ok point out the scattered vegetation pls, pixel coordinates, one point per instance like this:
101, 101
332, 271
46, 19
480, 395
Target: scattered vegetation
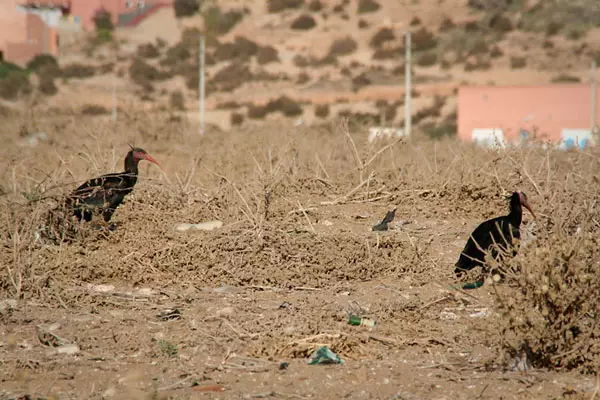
237, 118
14, 81
275, 6
342, 47
266, 55
78, 71
367, 6
322, 110
283, 104
240, 50
565, 78
46, 80
42, 60
447, 24
104, 25
518, 62
148, 50
93, 109
427, 59
304, 22
315, 6
219, 23
144, 74
382, 36
185, 8
432, 111
177, 100
423, 39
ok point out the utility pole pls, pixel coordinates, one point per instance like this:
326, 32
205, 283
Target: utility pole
407, 95
593, 87
201, 84
114, 91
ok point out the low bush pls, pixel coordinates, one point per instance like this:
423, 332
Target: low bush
367, 6
518, 62
219, 23
383, 35
266, 55
275, 6
185, 8
147, 50
322, 110
342, 47
78, 71
304, 22
15, 82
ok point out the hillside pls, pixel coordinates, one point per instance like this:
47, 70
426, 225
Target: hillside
332, 58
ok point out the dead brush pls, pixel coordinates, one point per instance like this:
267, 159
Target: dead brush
549, 310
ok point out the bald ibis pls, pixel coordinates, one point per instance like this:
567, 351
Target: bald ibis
105, 193
497, 231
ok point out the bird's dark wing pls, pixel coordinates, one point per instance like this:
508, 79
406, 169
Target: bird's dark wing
479, 241
98, 192
389, 217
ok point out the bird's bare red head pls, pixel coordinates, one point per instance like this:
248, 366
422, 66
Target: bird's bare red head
525, 202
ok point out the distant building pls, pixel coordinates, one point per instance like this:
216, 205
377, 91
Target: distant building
32, 27
561, 113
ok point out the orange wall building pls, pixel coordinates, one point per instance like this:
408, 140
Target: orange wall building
560, 112
23, 33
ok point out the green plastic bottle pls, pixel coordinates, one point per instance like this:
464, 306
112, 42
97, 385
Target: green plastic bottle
359, 321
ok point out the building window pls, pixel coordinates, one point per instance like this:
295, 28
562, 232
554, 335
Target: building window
141, 3
128, 3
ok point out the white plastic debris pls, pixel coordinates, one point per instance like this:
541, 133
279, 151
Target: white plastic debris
182, 227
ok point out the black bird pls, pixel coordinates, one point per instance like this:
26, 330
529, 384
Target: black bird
105, 193
383, 225
497, 231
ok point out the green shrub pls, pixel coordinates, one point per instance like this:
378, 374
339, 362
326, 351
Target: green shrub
367, 6
564, 78
382, 36
46, 80
304, 22
237, 118
315, 6
423, 40
266, 55
185, 8
147, 50
78, 71
218, 23
41, 60
275, 6
15, 83
342, 47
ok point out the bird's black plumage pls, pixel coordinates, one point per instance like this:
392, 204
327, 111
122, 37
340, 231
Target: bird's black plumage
383, 225
105, 193
494, 234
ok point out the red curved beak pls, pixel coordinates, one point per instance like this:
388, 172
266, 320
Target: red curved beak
147, 157
525, 203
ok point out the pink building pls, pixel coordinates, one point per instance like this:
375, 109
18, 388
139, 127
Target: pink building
559, 112
32, 27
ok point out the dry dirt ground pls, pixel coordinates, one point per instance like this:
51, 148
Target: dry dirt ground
295, 254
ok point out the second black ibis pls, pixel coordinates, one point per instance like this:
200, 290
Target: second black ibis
493, 234
105, 193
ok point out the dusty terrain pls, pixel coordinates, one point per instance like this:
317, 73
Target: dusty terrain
295, 254
145, 312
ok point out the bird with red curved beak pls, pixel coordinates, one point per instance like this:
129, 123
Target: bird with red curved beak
105, 193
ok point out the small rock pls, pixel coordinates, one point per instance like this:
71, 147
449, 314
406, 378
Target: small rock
448, 315
225, 311
101, 288
35, 138
284, 365
327, 223
182, 227
227, 289
68, 349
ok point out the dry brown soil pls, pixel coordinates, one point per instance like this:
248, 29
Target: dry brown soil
294, 256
